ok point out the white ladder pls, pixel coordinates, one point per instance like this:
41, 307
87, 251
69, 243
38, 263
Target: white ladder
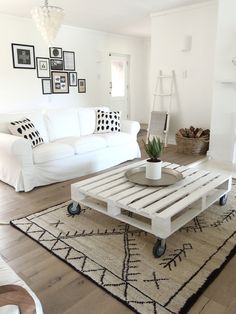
159, 120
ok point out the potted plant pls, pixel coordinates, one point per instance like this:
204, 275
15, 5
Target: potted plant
153, 148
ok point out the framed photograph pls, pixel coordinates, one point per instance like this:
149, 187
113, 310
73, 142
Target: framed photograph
81, 86
23, 56
46, 87
60, 82
69, 60
43, 70
73, 78
55, 52
56, 65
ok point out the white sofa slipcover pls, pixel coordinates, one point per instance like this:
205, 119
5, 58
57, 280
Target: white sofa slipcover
71, 148
9, 277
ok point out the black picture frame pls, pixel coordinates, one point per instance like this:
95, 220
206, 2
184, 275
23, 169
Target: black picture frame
81, 85
23, 56
43, 72
73, 78
46, 86
60, 82
69, 60
55, 52
56, 64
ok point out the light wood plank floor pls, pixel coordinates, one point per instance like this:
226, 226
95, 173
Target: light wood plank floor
61, 289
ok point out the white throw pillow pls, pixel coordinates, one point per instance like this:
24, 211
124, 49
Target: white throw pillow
62, 123
107, 121
25, 128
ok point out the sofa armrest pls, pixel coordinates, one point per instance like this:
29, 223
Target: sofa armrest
16, 149
16, 162
131, 127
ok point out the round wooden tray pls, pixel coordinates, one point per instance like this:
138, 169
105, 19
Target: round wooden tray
168, 177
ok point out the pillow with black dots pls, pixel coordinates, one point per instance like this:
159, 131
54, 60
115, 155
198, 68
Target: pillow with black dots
25, 128
107, 121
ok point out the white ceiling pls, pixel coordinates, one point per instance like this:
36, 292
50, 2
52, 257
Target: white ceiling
130, 17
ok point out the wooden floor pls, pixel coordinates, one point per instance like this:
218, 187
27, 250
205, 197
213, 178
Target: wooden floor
63, 290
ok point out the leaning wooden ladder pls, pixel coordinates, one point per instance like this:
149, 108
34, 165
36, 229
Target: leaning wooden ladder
159, 120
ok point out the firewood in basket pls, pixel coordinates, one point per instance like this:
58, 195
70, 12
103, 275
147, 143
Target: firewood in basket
187, 132
196, 131
191, 134
182, 132
179, 134
199, 133
206, 132
192, 129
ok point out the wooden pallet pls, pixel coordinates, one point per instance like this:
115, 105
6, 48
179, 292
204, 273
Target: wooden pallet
164, 208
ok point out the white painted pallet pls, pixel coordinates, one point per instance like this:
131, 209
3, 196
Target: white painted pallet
163, 207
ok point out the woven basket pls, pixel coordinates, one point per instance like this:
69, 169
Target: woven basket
192, 146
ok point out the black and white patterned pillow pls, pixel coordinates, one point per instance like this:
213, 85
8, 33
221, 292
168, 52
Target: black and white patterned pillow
107, 121
25, 128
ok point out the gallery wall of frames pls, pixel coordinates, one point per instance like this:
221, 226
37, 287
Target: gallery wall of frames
57, 72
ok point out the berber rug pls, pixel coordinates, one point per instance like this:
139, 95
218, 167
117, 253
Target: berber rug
118, 257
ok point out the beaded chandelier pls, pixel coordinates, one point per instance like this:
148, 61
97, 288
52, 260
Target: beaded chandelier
48, 20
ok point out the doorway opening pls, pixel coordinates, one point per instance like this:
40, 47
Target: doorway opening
119, 83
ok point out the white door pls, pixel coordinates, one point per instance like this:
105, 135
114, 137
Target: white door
118, 84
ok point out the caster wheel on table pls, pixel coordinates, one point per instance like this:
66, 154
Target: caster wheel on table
74, 209
159, 248
223, 200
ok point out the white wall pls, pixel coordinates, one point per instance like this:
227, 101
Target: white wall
193, 99
21, 89
223, 119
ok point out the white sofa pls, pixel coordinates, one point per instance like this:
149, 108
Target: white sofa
71, 148
9, 277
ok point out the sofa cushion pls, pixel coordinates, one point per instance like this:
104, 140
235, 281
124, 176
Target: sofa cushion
62, 123
84, 144
87, 119
25, 128
52, 151
107, 121
117, 138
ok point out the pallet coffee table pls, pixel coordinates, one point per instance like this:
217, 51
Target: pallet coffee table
165, 208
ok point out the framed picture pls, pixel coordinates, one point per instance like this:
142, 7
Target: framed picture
56, 65
23, 56
69, 60
73, 78
43, 70
55, 52
60, 82
46, 87
81, 86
